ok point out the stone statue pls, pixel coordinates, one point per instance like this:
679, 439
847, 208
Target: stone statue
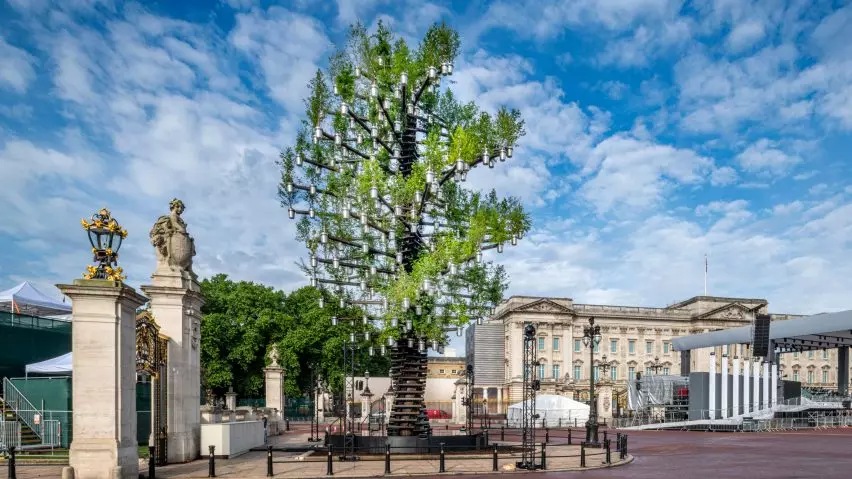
175, 247
273, 357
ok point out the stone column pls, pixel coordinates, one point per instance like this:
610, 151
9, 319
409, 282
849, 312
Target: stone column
176, 306
460, 415
736, 378
231, 399
724, 405
746, 387
274, 387
604, 398
712, 386
103, 340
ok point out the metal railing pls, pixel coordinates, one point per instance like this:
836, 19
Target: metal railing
10, 435
51, 433
23, 408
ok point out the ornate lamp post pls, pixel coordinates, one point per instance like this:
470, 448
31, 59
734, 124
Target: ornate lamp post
656, 365
604, 367
467, 401
105, 236
591, 338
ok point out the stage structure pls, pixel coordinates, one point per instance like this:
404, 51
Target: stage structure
390, 230
529, 416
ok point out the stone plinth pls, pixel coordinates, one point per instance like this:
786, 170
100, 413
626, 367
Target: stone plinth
231, 400
176, 306
274, 386
103, 340
604, 399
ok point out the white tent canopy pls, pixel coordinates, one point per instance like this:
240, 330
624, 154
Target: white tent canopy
57, 365
551, 408
26, 299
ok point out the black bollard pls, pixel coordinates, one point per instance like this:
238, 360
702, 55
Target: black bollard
151, 457
544, 455
286, 425
12, 473
582, 454
502, 433
575, 422
494, 459
547, 434
604, 435
212, 469
569, 436
329, 471
608, 457
625, 445
269, 461
441, 464
618, 442
387, 458
560, 423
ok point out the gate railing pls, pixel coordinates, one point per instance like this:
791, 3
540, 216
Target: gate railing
10, 435
23, 408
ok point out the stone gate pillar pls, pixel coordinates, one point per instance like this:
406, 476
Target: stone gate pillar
274, 383
103, 340
176, 303
604, 399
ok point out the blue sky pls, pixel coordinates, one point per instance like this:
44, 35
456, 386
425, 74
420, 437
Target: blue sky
658, 131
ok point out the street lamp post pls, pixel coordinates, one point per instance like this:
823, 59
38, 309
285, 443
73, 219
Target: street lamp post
656, 365
591, 338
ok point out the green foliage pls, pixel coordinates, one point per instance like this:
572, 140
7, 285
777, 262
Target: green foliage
242, 320
457, 132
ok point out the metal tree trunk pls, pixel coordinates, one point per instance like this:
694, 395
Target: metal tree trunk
408, 376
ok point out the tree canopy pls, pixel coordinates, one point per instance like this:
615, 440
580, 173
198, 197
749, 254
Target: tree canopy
241, 320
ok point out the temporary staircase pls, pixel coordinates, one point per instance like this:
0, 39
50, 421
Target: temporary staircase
29, 438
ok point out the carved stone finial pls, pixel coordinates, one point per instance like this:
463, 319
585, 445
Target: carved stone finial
175, 247
273, 357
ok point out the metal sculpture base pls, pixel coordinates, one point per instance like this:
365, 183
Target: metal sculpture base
411, 444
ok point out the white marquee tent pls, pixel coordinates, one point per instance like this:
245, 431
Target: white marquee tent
26, 299
551, 408
57, 365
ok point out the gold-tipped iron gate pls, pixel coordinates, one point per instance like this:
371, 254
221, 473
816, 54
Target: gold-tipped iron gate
152, 357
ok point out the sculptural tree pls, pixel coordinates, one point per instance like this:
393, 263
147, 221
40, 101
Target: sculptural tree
384, 154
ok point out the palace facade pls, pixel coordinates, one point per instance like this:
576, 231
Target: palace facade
633, 340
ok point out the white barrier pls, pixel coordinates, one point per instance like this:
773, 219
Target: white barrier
231, 438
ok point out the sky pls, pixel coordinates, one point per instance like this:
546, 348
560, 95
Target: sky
658, 132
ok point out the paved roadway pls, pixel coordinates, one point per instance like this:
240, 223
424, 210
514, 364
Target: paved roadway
694, 455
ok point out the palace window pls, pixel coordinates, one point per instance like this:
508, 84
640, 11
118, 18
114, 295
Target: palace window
613, 346
631, 373
541, 371
795, 354
647, 371
577, 344
440, 371
556, 344
796, 375
824, 354
666, 371
810, 377
541, 344
825, 376
454, 372
613, 373
649, 347
810, 354
597, 347
578, 371
555, 371
665, 348
595, 369
631, 346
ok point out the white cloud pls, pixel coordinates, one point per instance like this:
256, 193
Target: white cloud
639, 173
745, 35
765, 156
286, 46
788, 208
16, 69
723, 176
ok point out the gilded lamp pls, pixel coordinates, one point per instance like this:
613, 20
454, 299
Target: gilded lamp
105, 237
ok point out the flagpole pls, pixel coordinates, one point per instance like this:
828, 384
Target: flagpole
705, 274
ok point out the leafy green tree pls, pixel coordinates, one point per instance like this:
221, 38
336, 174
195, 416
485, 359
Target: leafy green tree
242, 320
384, 152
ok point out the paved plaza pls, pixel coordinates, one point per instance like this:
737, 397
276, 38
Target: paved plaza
801, 454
